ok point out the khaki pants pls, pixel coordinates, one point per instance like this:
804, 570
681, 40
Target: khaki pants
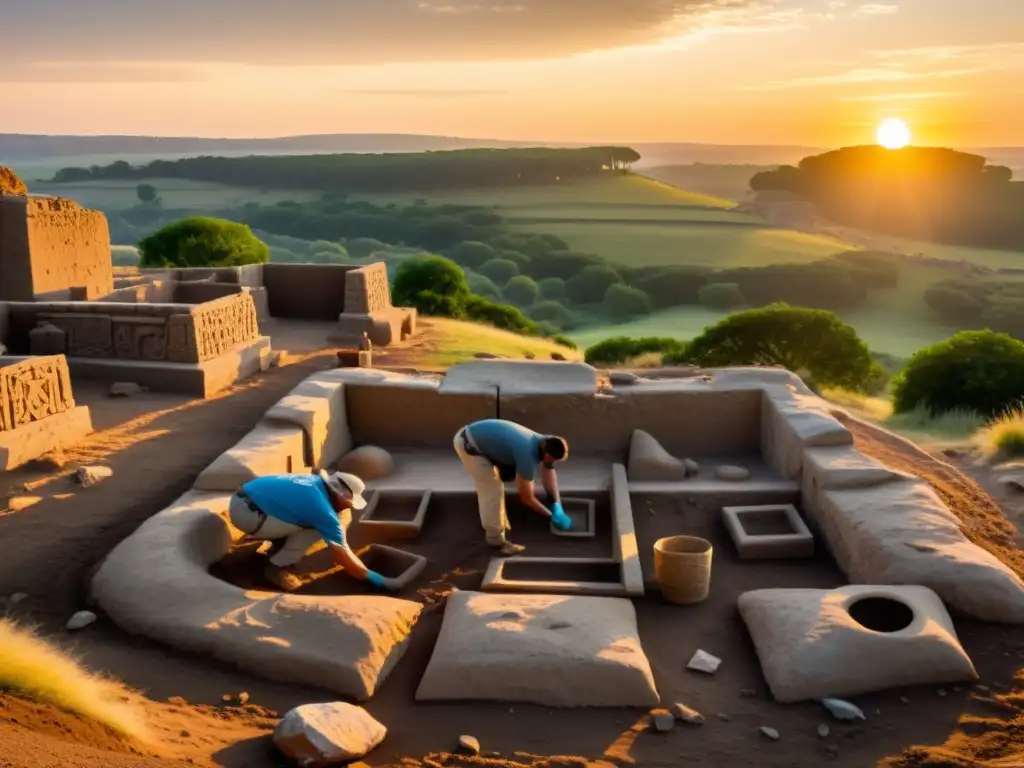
490, 493
295, 542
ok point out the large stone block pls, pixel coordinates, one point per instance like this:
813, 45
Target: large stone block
902, 533
317, 405
38, 438
793, 422
815, 644
269, 449
539, 649
520, 377
156, 584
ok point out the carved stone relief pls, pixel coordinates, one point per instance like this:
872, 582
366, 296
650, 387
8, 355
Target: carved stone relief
34, 389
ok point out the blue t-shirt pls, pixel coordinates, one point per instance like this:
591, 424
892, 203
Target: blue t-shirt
508, 443
300, 500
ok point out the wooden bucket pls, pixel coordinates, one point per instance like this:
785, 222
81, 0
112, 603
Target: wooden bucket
682, 566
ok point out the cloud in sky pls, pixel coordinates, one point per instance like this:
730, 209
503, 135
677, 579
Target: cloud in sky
338, 32
875, 9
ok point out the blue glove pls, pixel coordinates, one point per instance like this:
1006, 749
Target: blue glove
376, 579
559, 519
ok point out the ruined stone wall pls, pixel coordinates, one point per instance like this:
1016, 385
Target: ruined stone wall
49, 245
177, 333
367, 291
32, 390
307, 291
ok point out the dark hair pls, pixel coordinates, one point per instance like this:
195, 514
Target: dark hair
555, 447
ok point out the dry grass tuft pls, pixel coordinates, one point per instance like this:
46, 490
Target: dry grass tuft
1002, 438
35, 669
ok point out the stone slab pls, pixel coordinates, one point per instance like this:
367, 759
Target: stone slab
581, 514
553, 576
902, 533
38, 438
317, 407
327, 734
811, 647
156, 584
756, 541
520, 377
376, 526
791, 423
624, 546
269, 449
195, 379
539, 649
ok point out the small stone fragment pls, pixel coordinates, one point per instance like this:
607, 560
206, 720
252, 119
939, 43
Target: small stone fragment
979, 687
724, 717
843, 710
469, 744
769, 733
558, 356
748, 693
687, 714
832, 749
89, 476
692, 467
704, 662
18, 597
226, 698
243, 698
622, 378
184, 734
732, 474
125, 389
823, 731
663, 721
941, 691
81, 620
904, 699
956, 689
327, 734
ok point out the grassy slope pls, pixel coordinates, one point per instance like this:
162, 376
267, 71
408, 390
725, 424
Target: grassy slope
175, 193
445, 342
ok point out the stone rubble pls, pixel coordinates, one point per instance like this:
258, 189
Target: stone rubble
687, 714
663, 721
704, 662
823, 731
469, 744
843, 710
732, 474
81, 620
769, 733
327, 734
89, 476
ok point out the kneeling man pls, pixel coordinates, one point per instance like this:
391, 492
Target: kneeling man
495, 451
296, 512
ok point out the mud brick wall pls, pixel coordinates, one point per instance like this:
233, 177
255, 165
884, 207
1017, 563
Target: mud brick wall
50, 245
34, 389
367, 290
201, 291
307, 291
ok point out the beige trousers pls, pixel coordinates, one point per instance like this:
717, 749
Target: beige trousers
298, 542
490, 493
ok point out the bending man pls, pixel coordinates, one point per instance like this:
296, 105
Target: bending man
495, 451
296, 512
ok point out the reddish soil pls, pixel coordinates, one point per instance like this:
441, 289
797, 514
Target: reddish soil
156, 446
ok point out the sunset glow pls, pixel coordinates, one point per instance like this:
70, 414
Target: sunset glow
893, 133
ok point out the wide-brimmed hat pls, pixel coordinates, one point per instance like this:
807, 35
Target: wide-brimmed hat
345, 484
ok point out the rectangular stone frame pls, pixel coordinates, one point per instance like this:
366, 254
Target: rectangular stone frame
796, 545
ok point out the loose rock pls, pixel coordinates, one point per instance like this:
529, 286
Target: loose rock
469, 744
558, 356
692, 467
823, 731
89, 476
941, 691
663, 722
732, 474
704, 662
327, 734
125, 389
623, 378
367, 462
748, 693
17, 597
904, 699
724, 717
687, 714
243, 698
843, 710
81, 620
770, 733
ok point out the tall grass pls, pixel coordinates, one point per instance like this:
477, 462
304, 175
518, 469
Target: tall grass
1003, 437
34, 668
918, 424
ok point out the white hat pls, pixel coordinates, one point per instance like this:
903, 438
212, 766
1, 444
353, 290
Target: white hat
346, 484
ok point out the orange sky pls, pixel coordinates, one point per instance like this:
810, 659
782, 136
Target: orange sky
811, 72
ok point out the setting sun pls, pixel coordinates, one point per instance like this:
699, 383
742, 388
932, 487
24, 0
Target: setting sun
893, 133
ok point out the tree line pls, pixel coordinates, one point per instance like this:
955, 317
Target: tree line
926, 193
397, 172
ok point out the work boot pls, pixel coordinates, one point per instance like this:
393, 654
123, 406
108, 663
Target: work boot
282, 578
508, 549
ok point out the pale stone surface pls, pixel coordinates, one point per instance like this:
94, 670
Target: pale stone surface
89, 476
622, 378
731, 473
648, 461
687, 714
520, 377
327, 734
156, 583
368, 462
469, 744
792, 422
541, 649
269, 449
39, 438
810, 647
844, 467
81, 620
902, 533
692, 467
317, 406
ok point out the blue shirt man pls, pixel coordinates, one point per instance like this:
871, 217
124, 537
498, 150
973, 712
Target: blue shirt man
295, 512
495, 451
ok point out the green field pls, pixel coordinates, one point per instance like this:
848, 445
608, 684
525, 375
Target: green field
175, 193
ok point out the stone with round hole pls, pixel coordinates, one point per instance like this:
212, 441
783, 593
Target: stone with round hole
821, 643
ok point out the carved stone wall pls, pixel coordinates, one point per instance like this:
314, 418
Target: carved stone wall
224, 324
367, 290
34, 389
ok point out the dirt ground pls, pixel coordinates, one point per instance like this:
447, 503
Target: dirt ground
157, 444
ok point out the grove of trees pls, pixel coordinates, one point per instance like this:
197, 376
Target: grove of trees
202, 242
463, 168
928, 193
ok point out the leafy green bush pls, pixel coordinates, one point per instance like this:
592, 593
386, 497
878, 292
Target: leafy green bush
563, 264
499, 315
362, 247
552, 288
591, 284
472, 254
875, 269
671, 286
826, 284
623, 303
432, 284
552, 312
482, 286
499, 270
721, 296
521, 260
813, 343
953, 304
202, 242
124, 256
521, 291
618, 349
564, 341
981, 371
336, 251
